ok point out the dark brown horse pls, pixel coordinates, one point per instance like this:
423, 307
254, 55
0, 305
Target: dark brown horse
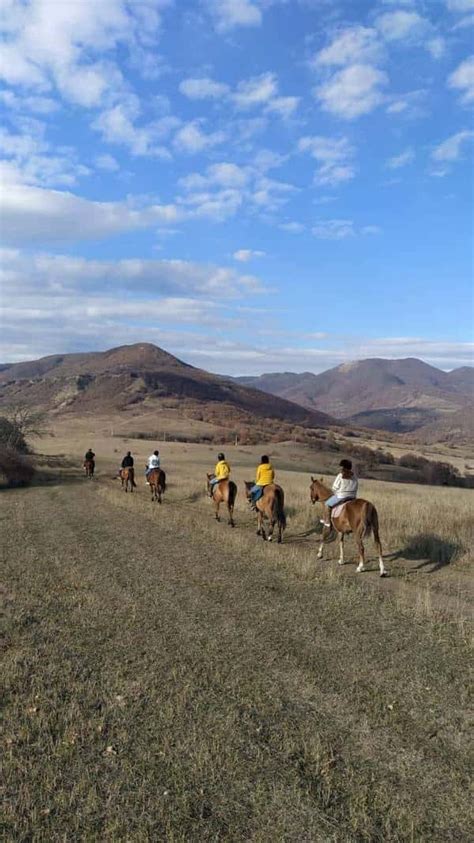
225, 491
358, 516
270, 506
127, 476
89, 466
157, 480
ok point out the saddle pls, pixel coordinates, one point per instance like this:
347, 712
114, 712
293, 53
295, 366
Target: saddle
337, 510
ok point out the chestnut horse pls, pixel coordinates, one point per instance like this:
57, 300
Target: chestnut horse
89, 466
127, 476
270, 506
358, 517
157, 480
225, 491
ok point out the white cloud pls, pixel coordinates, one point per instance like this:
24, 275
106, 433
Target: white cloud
401, 24
225, 188
228, 14
436, 47
57, 44
256, 91
334, 156
401, 160
463, 80
292, 227
191, 139
33, 103
30, 213
107, 162
284, 106
203, 88
460, 5
353, 91
245, 255
451, 149
341, 229
352, 45
30, 155
333, 229
117, 125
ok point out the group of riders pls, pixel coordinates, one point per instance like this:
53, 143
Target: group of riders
344, 487
153, 461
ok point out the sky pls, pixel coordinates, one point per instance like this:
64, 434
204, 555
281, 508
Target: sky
254, 185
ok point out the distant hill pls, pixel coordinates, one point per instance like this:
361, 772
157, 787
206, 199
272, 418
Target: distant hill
123, 377
396, 395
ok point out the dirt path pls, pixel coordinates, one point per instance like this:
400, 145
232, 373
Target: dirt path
171, 679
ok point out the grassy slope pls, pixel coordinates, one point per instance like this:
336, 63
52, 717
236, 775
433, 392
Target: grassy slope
168, 678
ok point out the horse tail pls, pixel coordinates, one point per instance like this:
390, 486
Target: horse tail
369, 520
279, 508
232, 492
163, 481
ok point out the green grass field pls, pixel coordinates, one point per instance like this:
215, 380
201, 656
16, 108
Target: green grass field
168, 678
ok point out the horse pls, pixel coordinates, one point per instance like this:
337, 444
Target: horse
270, 506
89, 466
127, 476
157, 480
358, 516
225, 491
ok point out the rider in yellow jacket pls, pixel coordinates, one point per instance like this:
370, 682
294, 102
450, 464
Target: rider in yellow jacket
265, 475
221, 472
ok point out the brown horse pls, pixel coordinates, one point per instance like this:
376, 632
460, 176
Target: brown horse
89, 466
127, 476
358, 517
225, 491
157, 480
270, 506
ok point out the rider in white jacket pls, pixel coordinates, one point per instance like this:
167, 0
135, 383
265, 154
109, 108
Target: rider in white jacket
152, 462
344, 487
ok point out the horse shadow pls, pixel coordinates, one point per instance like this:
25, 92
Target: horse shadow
429, 551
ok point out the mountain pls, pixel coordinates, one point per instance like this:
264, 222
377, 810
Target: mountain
396, 395
140, 374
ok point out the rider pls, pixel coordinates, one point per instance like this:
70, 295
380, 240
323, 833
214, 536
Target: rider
344, 488
221, 472
265, 475
127, 461
89, 456
153, 462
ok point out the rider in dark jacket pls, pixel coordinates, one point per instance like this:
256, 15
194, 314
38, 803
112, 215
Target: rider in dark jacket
127, 461
89, 455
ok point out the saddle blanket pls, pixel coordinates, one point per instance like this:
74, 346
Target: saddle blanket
338, 509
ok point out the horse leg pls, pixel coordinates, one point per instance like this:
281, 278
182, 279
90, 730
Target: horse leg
378, 545
325, 534
360, 545
341, 549
230, 507
216, 506
270, 530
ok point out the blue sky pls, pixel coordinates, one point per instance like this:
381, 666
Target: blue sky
255, 185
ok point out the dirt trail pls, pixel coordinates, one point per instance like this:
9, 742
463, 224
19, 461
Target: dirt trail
151, 651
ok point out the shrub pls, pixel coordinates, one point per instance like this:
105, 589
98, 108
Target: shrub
15, 467
11, 436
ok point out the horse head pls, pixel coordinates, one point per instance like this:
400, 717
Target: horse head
315, 489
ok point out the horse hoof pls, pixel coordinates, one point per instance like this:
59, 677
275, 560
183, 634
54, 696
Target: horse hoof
360, 570
269, 539
384, 573
279, 541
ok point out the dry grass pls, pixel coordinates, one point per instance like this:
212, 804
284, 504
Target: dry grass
168, 678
